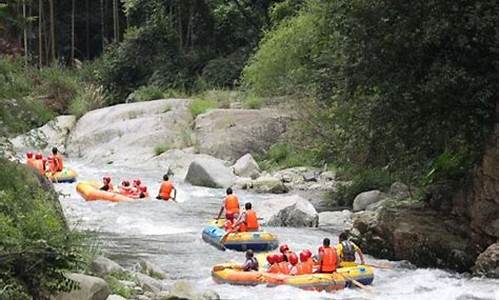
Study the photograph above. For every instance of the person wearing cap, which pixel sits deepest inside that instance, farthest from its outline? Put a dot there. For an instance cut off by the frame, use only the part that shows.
(306, 264)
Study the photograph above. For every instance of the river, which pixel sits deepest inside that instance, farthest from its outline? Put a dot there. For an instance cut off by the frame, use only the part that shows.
(169, 235)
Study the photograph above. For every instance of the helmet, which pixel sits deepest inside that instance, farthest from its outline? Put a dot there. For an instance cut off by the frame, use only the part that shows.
(279, 258)
(293, 259)
(143, 189)
(38, 156)
(304, 255)
(29, 154)
(271, 259)
(137, 182)
(283, 248)
(308, 252)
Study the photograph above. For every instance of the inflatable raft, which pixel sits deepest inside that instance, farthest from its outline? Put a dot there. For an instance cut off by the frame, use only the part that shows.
(230, 273)
(66, 175)
(90, 192)
(239, 241)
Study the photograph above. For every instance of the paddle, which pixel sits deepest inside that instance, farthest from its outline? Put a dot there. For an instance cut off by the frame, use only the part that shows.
(357, 283)
(385, 266)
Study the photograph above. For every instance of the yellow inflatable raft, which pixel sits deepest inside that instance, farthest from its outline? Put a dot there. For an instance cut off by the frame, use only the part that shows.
(90, 191)
(232, 274)
(66, 175)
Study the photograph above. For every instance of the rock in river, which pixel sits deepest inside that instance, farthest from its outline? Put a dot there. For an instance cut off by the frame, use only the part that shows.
(291, 211)
(210, 172)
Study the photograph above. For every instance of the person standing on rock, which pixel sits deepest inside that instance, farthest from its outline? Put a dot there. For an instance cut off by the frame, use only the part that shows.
(231, 204)
(166, 189)
(347, 251)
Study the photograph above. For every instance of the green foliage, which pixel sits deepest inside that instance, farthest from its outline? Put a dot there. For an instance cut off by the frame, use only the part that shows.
(36, 247)
(362, 181)
(448, 165)
(283, 155)
(147, 93)
(254, 102)
(117, 288)
(89, 98)
(386, 85)
(200, 106)
(280, 66)
(161, 148)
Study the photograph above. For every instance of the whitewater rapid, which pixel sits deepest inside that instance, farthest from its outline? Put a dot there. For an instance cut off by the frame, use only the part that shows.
(169, 235)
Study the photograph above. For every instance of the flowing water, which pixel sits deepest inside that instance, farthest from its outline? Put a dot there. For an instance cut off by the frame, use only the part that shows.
(169, 235)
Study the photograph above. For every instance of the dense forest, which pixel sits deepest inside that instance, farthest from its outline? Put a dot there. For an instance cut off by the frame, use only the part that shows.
(382, 90)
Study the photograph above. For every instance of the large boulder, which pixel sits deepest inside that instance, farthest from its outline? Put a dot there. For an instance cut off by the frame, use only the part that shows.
(246, 166)
(363, 200)
(290, 211)
(148, 283)
(115, 297)
(102, 266)
(487, 262)
(151, 269)
(54, 133)
(409, 230)
(337, 220)
(132, 132)
(210, 172)
(184, 290)
(230, 133)
(269, 184)
(91, 288)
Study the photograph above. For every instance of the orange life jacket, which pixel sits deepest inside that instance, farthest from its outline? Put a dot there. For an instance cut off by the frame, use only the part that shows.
(303, 268)
(231, 204)
(38, 164)
(30, 162)
(329, 260)
(125, 190)
(59, 162)
(252, 224)
(52, 164)
(283, 268)
(274, 268)
(166, 189)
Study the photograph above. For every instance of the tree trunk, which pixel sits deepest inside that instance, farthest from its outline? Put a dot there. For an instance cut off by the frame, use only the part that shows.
(40, 37)
(102, 25)
(25, 35)
(52, 30)
(72, 32)
(87, 29)
(115, 20)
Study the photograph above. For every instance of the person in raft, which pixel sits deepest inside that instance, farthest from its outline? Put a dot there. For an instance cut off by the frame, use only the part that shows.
(306, 264)
(247, 221)
(55, 161)
(39, 164)
(143, 192)
(278, 265)
(30, 160)
(347, 251)
(106, 184)
(288, 254)
(231, 204)
(125, 188)
(328, 258)
(251, 262)
(166, 189)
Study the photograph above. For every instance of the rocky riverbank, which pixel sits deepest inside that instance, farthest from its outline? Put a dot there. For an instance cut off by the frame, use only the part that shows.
(107, 280)
(215, 149)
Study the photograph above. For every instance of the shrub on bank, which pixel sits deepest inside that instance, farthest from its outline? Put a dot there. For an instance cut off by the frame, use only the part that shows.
(36, 246)
(362, 181)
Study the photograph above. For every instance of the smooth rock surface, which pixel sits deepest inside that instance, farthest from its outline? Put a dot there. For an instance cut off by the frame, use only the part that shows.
(148, 283)
(291, 211)
(364, 199)
(269, 184)
(209, 172)
(340, 220)
(52, 134)
(115, 297)
(230, 133)
(399, 190)
(91, 288)
(246, 166)
(487, 262)
(103, 266)
(151, 269)
(127, 133)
